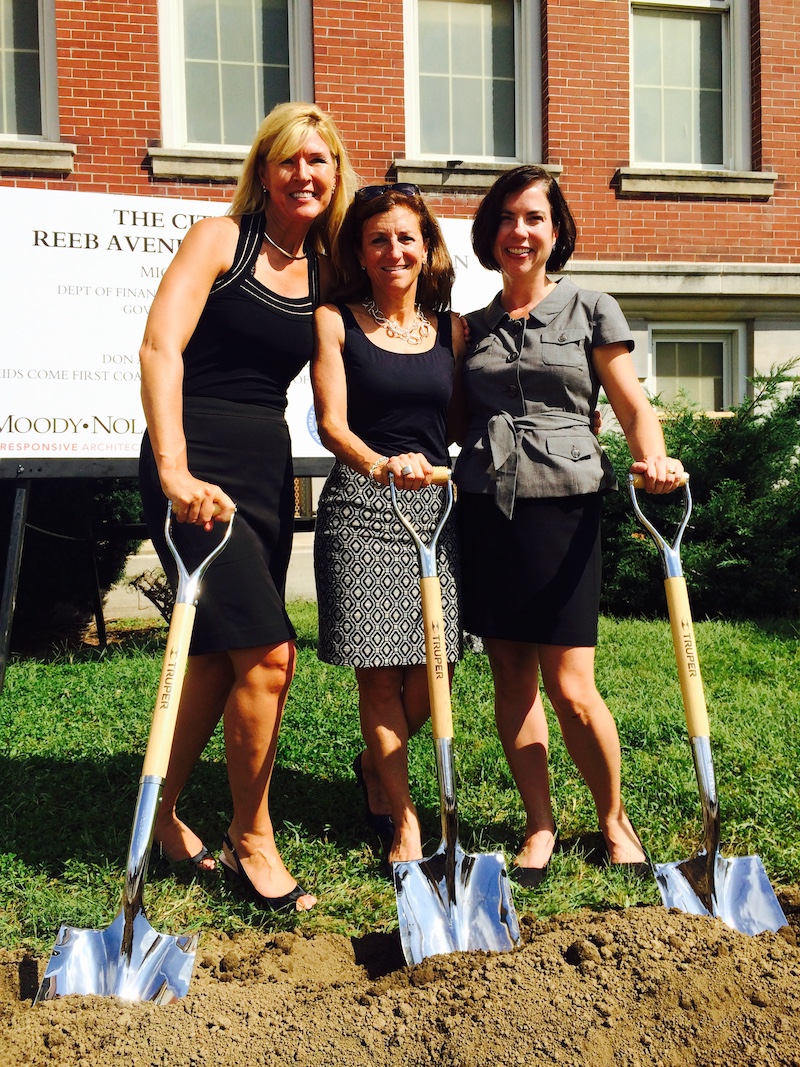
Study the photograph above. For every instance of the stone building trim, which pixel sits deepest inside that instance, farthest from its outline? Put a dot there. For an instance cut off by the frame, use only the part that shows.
(37, 157)
(728, 185)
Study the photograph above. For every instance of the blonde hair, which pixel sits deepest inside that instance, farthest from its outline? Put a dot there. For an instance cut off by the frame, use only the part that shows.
(280, 135)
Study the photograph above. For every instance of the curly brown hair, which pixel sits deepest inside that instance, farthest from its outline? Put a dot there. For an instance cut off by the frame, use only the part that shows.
(352, 284)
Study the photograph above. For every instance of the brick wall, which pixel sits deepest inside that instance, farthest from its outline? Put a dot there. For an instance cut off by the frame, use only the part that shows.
(108, 83)
(109, 100)
(587, 131)
(358, 77)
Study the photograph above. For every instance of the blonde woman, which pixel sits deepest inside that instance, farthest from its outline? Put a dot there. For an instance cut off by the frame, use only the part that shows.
(230, 327)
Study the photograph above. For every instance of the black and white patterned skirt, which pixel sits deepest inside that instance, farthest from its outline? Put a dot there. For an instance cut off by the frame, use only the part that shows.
(367, 573)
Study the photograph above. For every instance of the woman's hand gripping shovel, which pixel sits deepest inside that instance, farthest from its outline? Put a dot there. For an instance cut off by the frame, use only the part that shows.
(452, 901)
(735, 890)
(129, 959)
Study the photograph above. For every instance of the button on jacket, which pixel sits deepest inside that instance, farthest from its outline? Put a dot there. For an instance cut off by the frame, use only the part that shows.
(531, 389)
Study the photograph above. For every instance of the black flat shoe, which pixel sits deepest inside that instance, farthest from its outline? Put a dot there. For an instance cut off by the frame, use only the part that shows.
(531, 877)
(238, 880)
(381, 825)
(160, 860)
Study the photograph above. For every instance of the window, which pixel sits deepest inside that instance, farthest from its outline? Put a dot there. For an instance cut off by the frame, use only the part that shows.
(226, 63)
(27, 105)
(690, 78)
(703, 364)
(473, 79)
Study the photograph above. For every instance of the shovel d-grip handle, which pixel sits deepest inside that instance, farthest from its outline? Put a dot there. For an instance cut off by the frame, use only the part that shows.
(165, 713)
(680, 617)
(432, 614)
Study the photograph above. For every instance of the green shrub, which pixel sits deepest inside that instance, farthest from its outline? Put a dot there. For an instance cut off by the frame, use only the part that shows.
(56, 580)
(741, 551)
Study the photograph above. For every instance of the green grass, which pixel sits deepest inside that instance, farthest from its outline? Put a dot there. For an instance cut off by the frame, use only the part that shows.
(74, 724)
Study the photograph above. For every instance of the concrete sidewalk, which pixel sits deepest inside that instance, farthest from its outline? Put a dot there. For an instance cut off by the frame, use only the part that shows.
(123, 602)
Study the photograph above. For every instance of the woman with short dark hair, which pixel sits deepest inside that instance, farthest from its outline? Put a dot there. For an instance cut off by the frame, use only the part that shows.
(531, 478)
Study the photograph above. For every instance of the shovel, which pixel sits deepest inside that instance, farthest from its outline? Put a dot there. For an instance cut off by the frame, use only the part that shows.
(129, 959)
(453, 901)
(735, 890)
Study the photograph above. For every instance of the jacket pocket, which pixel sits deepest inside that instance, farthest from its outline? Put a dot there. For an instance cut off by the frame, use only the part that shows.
(564, 348)
(574, 448)
(486, 351)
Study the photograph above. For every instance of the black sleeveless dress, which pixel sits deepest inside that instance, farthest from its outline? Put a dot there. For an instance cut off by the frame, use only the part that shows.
(365, 564)
(247, 347)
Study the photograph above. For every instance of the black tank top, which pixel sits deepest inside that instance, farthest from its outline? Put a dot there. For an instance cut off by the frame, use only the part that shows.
(397, 402)
(249, 342)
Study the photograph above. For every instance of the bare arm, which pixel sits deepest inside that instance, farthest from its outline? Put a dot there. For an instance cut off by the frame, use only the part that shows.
(637, 418)
(330, 403)
(205, 253)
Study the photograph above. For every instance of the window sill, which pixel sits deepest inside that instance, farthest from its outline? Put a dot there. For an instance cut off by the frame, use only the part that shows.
(196, 165)
(727, 185)
(453, 176)
(37, 157)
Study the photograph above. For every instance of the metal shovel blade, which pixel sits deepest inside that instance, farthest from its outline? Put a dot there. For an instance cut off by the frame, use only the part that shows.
(129, 959)
(453, 901)
(456, 903)
(738, 892)
(157, 967)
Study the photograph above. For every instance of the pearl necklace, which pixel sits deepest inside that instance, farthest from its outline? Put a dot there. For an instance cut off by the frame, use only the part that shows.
(283, 250)
(414, 335)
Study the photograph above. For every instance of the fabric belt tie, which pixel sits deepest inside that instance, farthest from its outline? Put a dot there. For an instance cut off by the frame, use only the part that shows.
(506, 435)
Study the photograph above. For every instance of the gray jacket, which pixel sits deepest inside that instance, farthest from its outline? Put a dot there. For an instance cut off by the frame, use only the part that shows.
(531, 389)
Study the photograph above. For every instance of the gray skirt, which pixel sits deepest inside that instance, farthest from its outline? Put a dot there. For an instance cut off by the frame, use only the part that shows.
(367, 573)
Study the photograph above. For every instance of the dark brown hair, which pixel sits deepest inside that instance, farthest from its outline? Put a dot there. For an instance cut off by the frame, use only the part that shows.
(352, 285)
(487, 218)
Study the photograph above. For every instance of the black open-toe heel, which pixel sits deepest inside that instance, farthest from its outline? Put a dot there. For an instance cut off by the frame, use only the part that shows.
(381, 825)
(531, 877)
(238, 880)
(162, 862)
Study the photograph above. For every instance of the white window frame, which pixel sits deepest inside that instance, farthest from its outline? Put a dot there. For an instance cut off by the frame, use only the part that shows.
(173, 78)
(48, 80)
(527, 77)
(734, 338)
(736, 75)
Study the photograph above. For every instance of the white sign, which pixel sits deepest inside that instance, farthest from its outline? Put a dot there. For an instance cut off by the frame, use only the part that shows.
(77, 276)
(475, 286)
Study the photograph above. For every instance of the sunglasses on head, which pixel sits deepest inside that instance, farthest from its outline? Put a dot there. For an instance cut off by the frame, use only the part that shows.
(371, 192)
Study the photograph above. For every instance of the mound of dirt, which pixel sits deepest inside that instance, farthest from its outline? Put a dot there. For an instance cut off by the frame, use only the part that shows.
(638, 988)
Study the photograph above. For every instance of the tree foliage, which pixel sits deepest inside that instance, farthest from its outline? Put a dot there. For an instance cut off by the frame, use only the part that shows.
(741, 550)
(69, 530)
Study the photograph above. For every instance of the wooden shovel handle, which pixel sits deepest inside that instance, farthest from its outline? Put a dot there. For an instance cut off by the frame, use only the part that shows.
(436, 658)
(638, 480)
(694, 701)
(441, 475)
(159, 745)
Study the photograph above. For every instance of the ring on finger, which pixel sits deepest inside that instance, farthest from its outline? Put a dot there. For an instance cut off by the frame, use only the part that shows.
(408, 469)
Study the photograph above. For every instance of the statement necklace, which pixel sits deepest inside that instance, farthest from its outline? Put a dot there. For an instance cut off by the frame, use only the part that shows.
(414, 335)
(283, 250)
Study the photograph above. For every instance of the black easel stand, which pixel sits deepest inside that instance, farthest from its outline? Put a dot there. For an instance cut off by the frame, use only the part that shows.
(11, 579)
